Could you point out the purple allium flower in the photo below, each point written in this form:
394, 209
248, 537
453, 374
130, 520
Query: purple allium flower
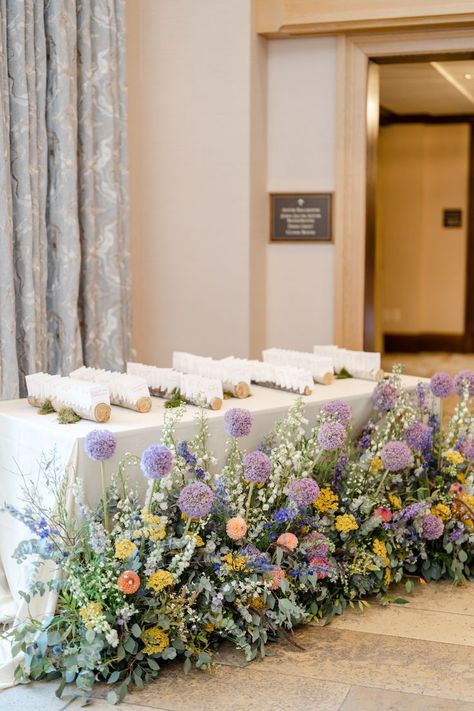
303, 492
257, 467
417, 435
196, 499
396, 456
468, 448
411, 511
385, 395
432, 527
157, 461
339, 469
100, 445
462, 376
441, 384
315, 544
238, 422
332, 435
340, 409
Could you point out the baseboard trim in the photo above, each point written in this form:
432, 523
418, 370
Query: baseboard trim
415, 342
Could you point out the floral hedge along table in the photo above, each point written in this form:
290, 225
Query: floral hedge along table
155, 537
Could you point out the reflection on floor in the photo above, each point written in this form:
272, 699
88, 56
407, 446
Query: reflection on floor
398, 658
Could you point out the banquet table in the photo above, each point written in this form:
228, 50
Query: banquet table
26, 437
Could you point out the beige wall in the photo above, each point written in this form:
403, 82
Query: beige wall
190, 174
422, 170
301, 157
208, 101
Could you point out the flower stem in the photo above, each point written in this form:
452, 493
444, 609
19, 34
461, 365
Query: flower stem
150, 498
186, 528
249, 500
381, 483
105, 503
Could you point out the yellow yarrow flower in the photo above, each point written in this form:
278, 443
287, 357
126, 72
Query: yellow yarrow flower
376, 465
90, 614
461, 478
137, 534
441, 511
156, 534
395, 501
124, 549
327, 501
258, 603
380, 550
237, 562
160, 579
453, 456
346, 523
387, 576
155, 640
150, 519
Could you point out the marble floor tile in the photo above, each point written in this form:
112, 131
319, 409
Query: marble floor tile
235, 689
365, 659
412, 623
363, 698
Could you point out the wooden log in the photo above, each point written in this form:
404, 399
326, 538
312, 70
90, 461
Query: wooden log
100, 413
216, 403
326, 379
274, 386
241, 389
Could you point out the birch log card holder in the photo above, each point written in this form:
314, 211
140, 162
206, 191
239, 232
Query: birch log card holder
235, 377
279, 377
167, 382
321, 367
359, 364
125, 390
88, 400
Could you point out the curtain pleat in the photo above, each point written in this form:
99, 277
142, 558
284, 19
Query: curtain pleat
64, 263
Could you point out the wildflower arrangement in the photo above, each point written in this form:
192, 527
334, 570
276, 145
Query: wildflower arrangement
313, 521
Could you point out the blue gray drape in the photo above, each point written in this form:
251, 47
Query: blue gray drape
64, 262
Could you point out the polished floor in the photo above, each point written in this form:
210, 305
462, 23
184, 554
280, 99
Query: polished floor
413, 657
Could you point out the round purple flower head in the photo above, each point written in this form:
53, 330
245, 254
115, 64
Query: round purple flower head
340, 410
396, 456
385, 396
332, 435
196, 499
238, 422
441, 384
303, 492
157, 461
460, 378
417, 435
100, 445
468, 448
432, 527
257, 467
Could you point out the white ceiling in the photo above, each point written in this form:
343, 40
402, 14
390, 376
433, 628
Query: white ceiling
428, 88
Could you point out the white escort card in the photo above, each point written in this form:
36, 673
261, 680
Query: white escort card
360, 364
195, 389
128, 391
235, 377
282, 377
321, 367
88, 400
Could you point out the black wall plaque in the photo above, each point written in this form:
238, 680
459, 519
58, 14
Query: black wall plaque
452, 218
300, 217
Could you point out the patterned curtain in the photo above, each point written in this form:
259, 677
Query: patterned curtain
64, 262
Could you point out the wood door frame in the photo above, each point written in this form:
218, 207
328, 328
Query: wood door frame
353, 257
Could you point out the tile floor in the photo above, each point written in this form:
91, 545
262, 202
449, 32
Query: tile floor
413, 657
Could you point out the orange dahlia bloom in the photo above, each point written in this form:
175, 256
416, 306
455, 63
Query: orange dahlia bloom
128, 582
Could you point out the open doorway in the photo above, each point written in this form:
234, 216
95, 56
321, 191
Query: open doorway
420, 240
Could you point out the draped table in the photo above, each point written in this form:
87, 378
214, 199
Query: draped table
27, 437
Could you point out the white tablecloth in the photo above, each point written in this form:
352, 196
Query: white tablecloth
25, 436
